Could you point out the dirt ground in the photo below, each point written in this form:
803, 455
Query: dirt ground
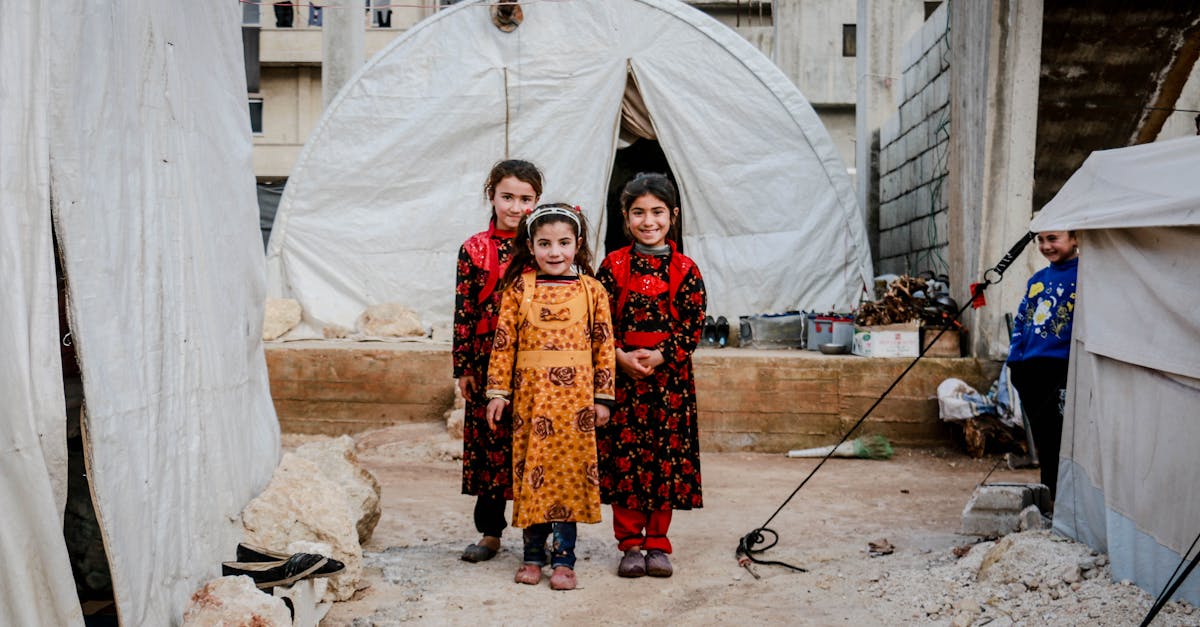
914, 501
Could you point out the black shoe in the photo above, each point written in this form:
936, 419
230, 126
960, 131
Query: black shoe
251, 553
722, 332
709, 338
284, 572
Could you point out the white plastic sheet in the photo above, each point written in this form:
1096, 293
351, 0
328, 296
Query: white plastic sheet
143, 121
389, 184
1128, 464
37, 586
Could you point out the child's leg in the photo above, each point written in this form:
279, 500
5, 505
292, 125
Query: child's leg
657, 524
534, 538
489, 514
564, 545
629, 527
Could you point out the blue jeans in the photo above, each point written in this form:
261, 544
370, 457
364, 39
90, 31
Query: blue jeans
562, 552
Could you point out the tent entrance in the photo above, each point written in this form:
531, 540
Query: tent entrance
81, 526
637, 151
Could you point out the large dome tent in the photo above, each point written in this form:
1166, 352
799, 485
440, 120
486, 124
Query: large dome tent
389, 183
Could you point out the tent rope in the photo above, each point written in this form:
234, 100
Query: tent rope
1173, 583
748, 545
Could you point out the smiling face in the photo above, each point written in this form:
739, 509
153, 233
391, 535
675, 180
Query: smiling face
1057, 246
511, 199
553, 246
649, 220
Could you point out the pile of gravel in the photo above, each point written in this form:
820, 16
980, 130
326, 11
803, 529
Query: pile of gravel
1028, 578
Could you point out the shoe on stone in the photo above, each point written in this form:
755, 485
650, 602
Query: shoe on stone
709, 335
563, 578
633, 564
722, 332
657, 564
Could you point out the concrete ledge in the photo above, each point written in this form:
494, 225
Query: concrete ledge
749, 400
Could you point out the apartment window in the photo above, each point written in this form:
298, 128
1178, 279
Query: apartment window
256, 111
849, 40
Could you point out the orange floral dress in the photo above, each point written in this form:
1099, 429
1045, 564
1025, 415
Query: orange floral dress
553, 356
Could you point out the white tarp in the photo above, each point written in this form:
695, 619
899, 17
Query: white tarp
389, 184
37, 587
1128, 466
131, 116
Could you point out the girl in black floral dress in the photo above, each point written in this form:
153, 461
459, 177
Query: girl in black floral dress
513, 188
649, 451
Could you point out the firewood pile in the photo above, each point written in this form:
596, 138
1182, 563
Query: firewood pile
897, 305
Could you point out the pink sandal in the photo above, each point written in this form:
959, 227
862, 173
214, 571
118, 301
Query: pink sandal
529, 574
562, 579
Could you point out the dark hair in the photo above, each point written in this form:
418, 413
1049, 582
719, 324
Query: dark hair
523, 260
521, 170
657, 185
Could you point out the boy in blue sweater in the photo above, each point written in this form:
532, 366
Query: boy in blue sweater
1041, 346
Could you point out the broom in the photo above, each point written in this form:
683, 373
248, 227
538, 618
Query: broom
866, 447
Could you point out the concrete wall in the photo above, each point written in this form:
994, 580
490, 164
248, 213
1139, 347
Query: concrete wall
749, 400
996, 53
913, 158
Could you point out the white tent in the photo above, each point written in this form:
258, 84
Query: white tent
1130, 466
389, 184
123, 130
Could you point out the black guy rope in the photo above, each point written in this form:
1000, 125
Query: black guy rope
748, 546
1173, 583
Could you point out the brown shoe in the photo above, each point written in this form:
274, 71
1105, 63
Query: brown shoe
529, 574
657, 564
632, 565
562, 579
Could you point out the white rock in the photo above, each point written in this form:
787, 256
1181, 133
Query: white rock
338, 461
300, 503
279, 317
454, 422
234, 601
963, 619
389, 320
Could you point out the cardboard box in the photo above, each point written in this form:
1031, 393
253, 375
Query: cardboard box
949, 345
888, 340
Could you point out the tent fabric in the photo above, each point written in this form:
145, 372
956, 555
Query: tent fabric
123, 129
769, 213
1128, 464
38, 587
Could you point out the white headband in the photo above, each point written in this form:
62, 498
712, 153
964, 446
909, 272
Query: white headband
552, 210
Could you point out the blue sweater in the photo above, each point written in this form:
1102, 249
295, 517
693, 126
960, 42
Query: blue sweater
1042, 328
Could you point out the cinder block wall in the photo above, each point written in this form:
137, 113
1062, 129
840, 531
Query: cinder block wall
749, 400
914, 144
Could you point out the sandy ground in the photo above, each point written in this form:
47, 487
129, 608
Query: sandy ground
914, 501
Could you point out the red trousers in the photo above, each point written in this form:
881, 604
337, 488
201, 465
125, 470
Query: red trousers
645, 529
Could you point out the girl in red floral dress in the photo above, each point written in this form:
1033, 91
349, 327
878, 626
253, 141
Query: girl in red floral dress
649, 451
513, 188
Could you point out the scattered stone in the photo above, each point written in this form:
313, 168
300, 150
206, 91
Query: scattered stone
389, 320
280, 316
339, 463
234, 601
335, 332
963, 619
300, 503
456, 415
1031, 519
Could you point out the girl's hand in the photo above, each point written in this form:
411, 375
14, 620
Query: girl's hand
632, 363
653, 359
602, 414
495, 408
465, 385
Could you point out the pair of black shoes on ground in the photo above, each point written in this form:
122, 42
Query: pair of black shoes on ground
269, 568
716, 332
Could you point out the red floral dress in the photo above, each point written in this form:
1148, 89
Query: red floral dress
487, 454
650, 450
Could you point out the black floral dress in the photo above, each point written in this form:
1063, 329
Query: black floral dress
487, 454
649, 451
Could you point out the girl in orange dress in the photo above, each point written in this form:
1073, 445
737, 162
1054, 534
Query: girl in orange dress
553, 362
513, 187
